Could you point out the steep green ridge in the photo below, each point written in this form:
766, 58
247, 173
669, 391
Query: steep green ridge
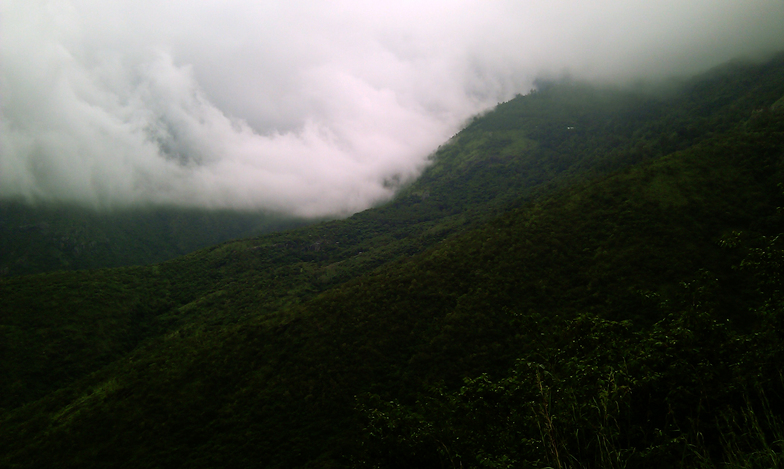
286, 350
568, 131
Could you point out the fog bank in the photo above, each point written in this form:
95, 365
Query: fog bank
307, 108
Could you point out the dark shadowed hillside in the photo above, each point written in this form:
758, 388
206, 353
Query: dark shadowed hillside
44, 238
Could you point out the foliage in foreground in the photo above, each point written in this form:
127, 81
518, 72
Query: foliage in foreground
688, 392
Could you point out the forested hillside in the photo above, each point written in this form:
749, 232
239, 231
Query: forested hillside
47, 237
583, 277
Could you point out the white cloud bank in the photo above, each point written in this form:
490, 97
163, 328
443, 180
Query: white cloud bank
308, 108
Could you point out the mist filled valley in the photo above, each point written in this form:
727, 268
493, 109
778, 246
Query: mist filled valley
404, 243
584, 276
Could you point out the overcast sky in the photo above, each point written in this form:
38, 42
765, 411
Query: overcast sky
306, 107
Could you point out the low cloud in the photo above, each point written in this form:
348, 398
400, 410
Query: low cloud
308, 108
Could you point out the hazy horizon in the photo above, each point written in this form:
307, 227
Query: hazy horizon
306, 108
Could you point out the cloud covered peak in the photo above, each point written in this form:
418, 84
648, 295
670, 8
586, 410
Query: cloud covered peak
308, 108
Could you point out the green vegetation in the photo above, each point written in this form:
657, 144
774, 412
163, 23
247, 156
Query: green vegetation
582, 278
49, 237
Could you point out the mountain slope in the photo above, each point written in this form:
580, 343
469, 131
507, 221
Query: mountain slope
51, 237
282, 388
252, 352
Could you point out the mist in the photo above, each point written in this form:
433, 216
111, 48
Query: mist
306, 108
